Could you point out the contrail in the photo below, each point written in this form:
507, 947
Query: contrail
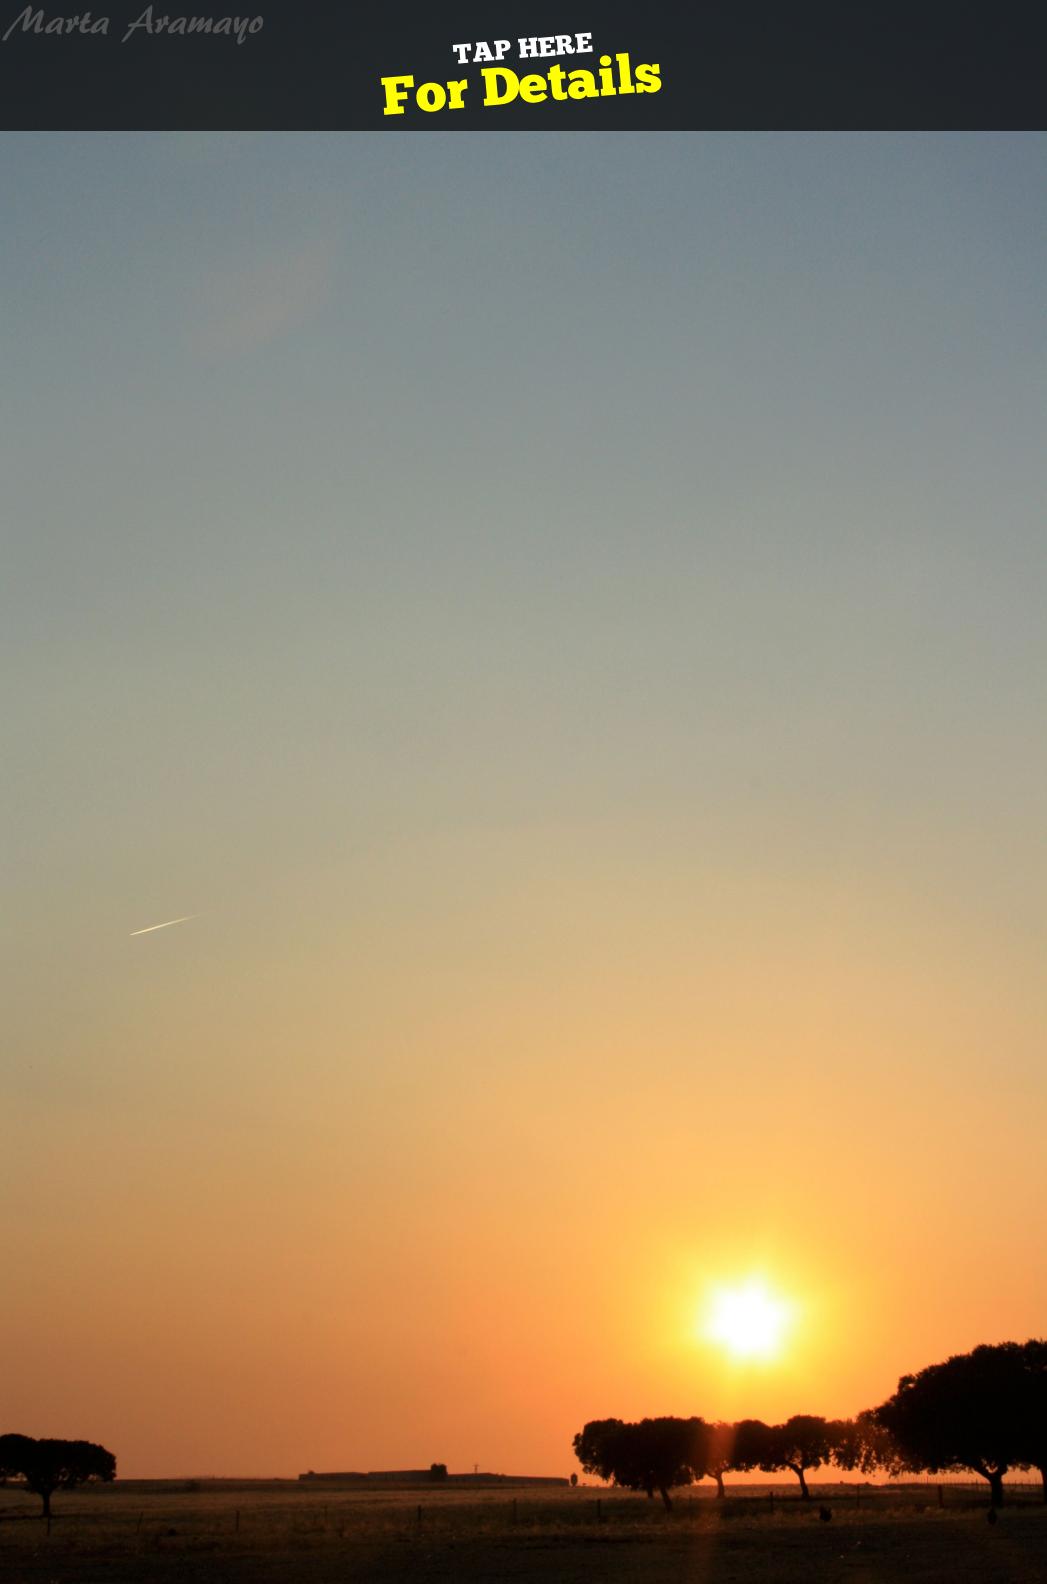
167, 925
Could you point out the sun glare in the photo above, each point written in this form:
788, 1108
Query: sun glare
749, 1321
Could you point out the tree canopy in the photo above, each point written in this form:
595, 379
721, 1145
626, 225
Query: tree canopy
862, 1443
752, 1447
653, 1455
1030, 1361
974, 1411
985, 1410
803, 1442
714, 1452
50, 1465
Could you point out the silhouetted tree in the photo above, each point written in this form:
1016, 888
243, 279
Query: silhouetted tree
48, 1465
437, 1471
974, 1411
862, 1443
653, 1455
1032, 1391
14, 1449
665, 1451
803, 1442
713, 1453
752, 1445
599, 1447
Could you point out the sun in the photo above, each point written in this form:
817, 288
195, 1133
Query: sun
750, 1321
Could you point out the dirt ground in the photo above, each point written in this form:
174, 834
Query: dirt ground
240, 1537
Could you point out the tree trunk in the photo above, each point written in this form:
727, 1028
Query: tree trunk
45, 1497
666, 1498
718, 1477
995, 1478
797, 1469
650, 1492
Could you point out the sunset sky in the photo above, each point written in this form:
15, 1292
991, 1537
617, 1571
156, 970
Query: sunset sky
566, 614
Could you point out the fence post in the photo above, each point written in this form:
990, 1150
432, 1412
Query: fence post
419, 1515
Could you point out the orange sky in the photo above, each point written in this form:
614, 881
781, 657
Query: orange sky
611, 805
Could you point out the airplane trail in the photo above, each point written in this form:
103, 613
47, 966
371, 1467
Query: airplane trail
166, 925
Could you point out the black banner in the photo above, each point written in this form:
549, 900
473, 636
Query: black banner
314, 64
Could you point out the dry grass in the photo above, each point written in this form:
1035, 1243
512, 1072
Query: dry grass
282, 1532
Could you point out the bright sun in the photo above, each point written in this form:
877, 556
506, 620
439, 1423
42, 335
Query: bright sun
749, 1321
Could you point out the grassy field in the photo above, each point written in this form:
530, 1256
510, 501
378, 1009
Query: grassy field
280, 1533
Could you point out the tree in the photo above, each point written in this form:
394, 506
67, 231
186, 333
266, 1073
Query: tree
713, 1453
862, 1443
664, 1450
752, 1446
437, 1472
1031, 1361
803, 1442
975, 1411
654, 1455
14, 1449
599, 1447
49, 1465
